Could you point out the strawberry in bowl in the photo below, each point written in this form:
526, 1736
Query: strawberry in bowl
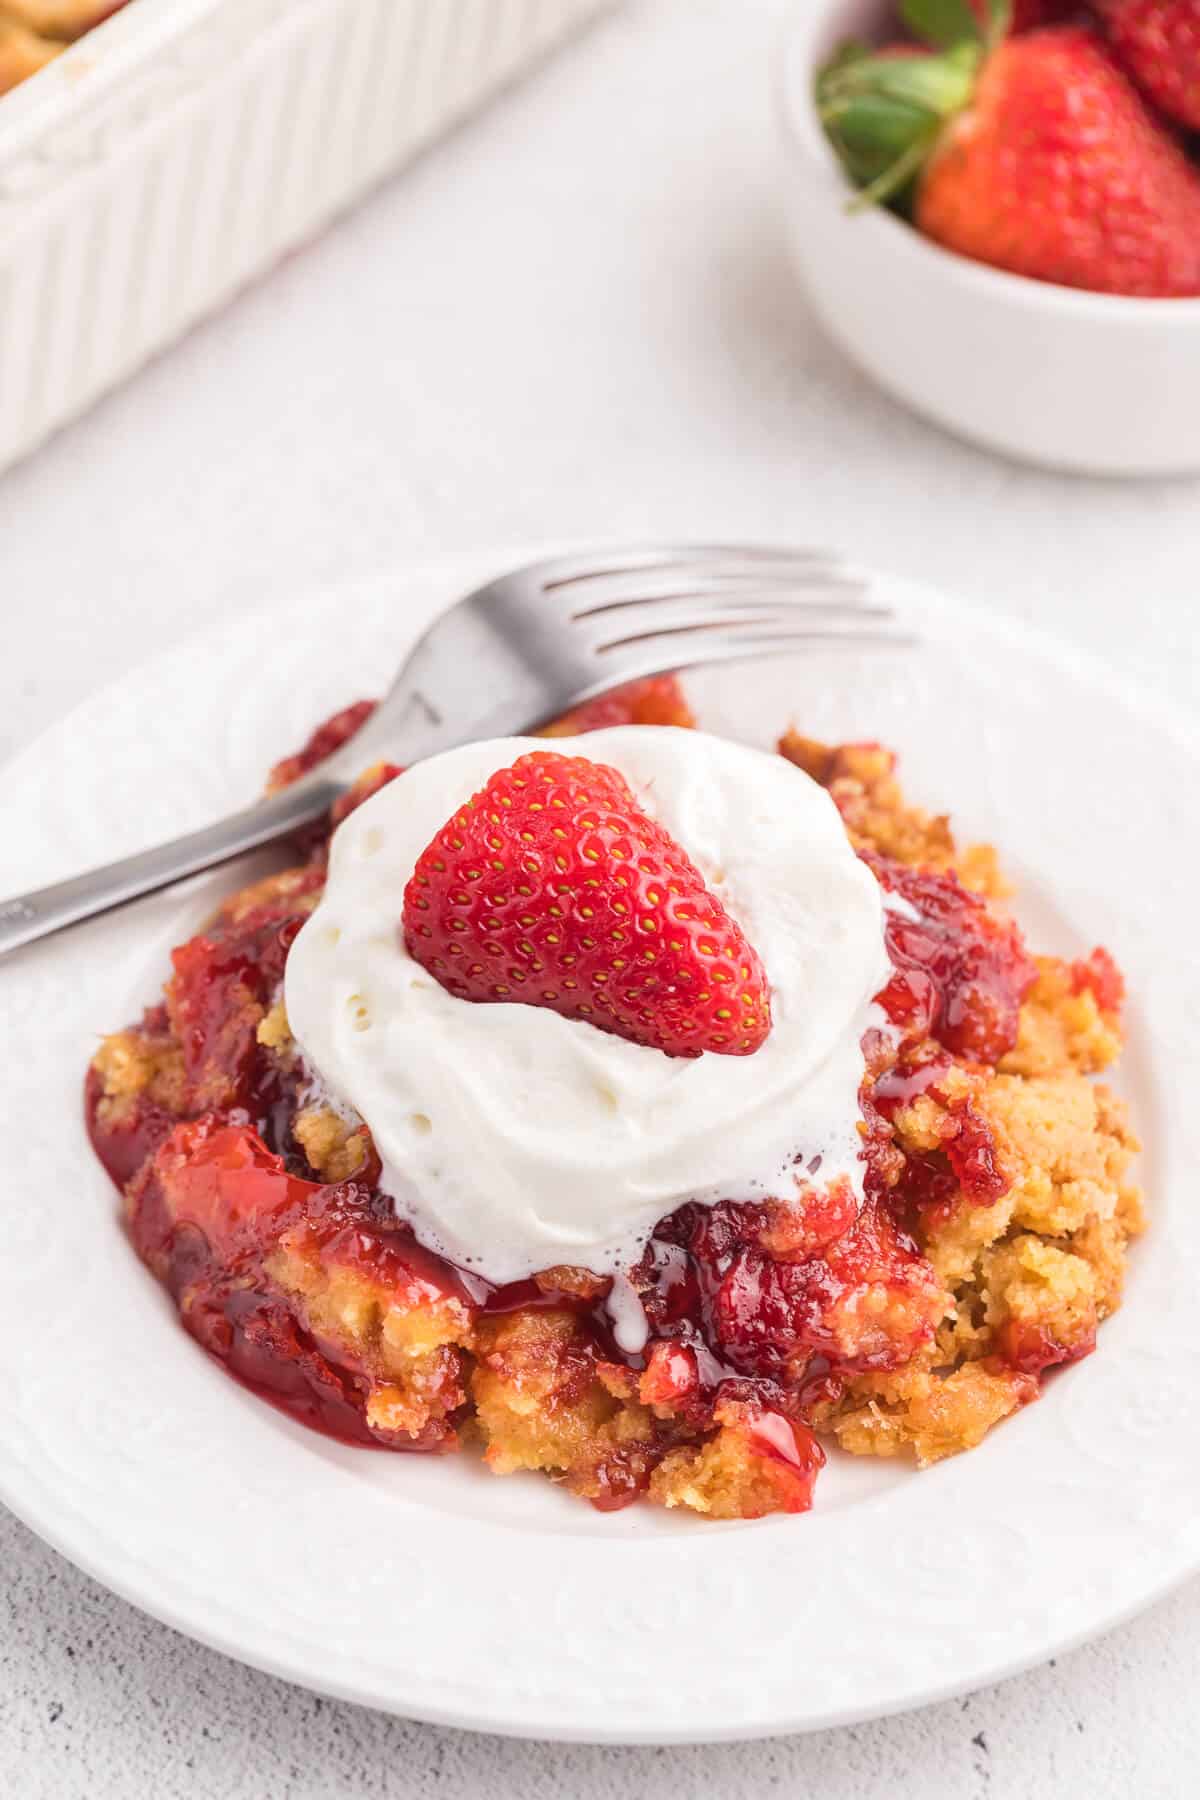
1029, 209
1157, 43
1033, 152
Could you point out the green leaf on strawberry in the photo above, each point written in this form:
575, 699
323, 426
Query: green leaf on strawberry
945, 23
883, 111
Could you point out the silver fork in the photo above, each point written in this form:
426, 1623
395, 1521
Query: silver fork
510, 657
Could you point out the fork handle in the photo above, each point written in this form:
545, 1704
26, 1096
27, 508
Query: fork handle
26, 917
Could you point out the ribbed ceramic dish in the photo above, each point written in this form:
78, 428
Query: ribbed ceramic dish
180, 149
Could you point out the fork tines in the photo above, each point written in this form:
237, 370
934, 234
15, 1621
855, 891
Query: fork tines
719, 600
630, 572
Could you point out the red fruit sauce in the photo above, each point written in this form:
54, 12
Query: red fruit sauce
329, 736
961, 974
206, 1210
1099, 975
754, 1310
1031, 1348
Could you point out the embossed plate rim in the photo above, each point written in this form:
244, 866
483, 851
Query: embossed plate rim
796, 1651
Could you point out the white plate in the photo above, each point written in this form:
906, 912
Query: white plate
426, 1586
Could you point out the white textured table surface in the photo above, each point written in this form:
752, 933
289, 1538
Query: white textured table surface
573, 318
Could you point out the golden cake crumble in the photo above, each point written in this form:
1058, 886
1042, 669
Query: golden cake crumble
991, 1246
34, 32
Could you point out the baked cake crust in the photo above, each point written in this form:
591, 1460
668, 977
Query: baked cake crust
991, 1246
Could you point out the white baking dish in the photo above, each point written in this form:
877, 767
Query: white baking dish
181, 148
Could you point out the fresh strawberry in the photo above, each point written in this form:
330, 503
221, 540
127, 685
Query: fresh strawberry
1157, 43
551, 886
1030, 15
1059, 171
1034, 153
946, 22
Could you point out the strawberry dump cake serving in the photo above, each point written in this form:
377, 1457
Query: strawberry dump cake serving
581, 1025
631, 1106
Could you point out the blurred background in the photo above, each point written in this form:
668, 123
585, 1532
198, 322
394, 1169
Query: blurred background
574, 316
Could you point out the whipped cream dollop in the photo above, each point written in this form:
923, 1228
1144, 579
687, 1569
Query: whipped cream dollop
514, 1139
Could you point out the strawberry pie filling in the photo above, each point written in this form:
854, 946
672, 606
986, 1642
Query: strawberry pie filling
863, 1192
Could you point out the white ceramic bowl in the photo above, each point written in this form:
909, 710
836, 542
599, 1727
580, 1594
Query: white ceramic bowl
1085, 382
